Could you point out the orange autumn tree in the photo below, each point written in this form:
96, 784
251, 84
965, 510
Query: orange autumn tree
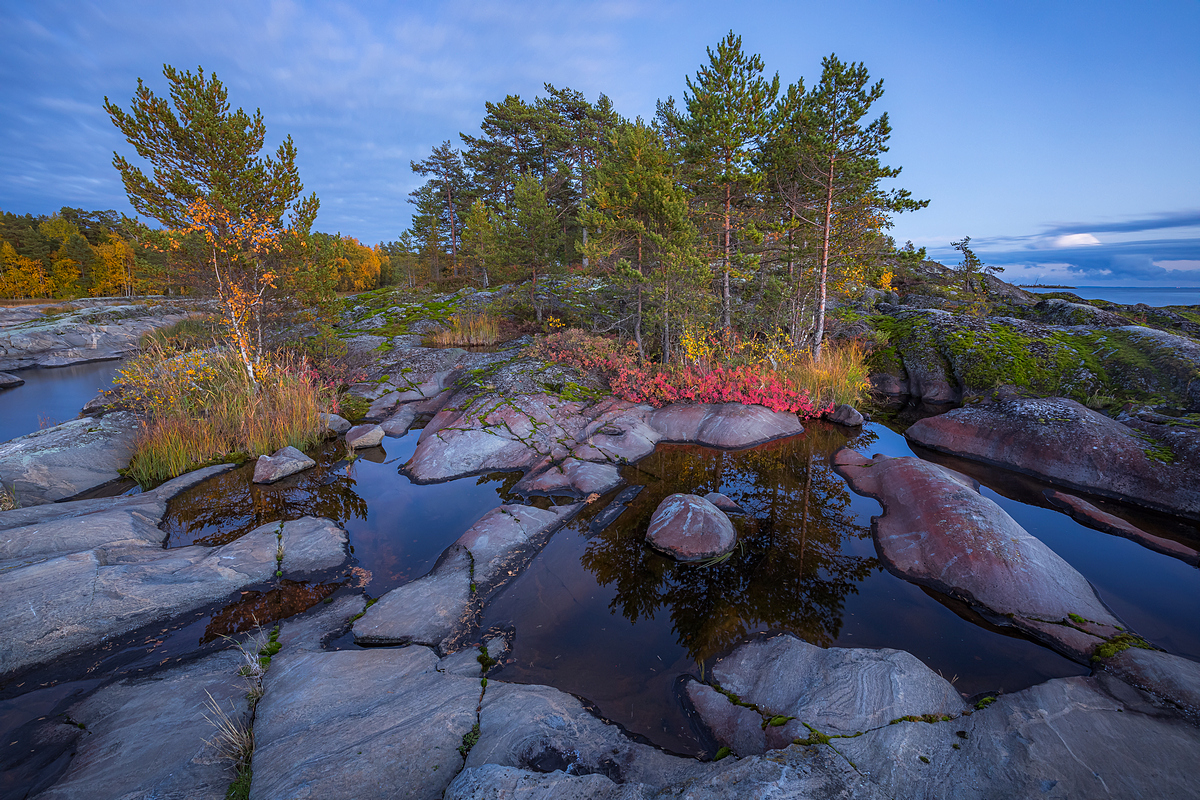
209, 178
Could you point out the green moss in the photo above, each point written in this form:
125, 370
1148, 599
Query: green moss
486, 662
1078, 620
984, 703
1156, 450
721, 753
924, 759
930, 718
240, 788
814, 737
353, 407
777, 721
468, 740
1118, 644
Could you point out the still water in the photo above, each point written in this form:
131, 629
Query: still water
600, 615
51, 396
1156, 296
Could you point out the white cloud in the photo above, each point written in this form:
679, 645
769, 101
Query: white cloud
1074, 240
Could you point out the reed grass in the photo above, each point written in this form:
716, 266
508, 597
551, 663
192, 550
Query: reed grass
200, 408
838, 376
466, 330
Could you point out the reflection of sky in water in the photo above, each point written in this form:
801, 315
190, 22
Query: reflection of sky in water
51, 396
604, 617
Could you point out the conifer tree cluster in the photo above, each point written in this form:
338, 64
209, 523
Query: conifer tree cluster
744, 206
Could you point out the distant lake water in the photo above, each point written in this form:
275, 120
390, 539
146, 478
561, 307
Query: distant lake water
1132, 295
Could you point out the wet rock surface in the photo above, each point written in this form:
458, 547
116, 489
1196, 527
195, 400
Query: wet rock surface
938, 531
60, 462
845, 415
1061, 441
8, 381
280, 464
690, 528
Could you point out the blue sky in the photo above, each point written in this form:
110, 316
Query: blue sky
1063, 137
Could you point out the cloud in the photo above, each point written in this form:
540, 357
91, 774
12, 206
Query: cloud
1074, 240
1154, 222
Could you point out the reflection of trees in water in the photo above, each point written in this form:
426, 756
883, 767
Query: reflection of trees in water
229, 505
788, 571
260, 608
223, 508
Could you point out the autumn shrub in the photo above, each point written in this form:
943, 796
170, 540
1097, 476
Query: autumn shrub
466, 330
713, 369
200, 407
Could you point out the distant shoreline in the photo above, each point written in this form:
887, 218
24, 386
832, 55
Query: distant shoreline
1043, 286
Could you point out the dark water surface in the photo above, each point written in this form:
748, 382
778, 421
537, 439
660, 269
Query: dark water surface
600, 615
51, 396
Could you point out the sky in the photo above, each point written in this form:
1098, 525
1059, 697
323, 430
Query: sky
1063, 137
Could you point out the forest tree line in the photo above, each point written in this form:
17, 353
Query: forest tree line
77, 253
741, 206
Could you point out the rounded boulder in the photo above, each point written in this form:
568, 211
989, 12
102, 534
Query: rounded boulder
689, 528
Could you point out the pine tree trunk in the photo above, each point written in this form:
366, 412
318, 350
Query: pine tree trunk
726, 310
826, 228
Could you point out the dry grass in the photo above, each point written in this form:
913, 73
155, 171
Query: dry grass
8, 498
467, 330
839, 376
233, 739
200, 408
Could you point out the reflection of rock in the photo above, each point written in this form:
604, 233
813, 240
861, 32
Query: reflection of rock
689, 528
614, 509
85, 588
280, 464
362, 436
1064, 443
8, 381
836, 691
360, 724
437, 609
1089, 515
148, 737
938, 531
60, 462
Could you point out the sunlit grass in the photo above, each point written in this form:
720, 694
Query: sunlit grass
200, 408
838, 376
467, 330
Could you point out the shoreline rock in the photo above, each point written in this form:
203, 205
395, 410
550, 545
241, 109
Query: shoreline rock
1062, 442
58, 463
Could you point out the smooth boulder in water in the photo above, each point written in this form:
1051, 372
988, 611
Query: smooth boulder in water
690, 528
280, 464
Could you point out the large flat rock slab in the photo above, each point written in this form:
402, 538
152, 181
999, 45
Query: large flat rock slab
149, 738
1063, 442
836, 691
60, 462
938, 531
95, 334
63, 602
361, 724
1066, 738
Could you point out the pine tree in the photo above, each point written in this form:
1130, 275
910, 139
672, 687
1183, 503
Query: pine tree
727, 117
838, 157
450, 185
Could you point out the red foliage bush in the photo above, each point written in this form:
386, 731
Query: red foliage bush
660, 385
